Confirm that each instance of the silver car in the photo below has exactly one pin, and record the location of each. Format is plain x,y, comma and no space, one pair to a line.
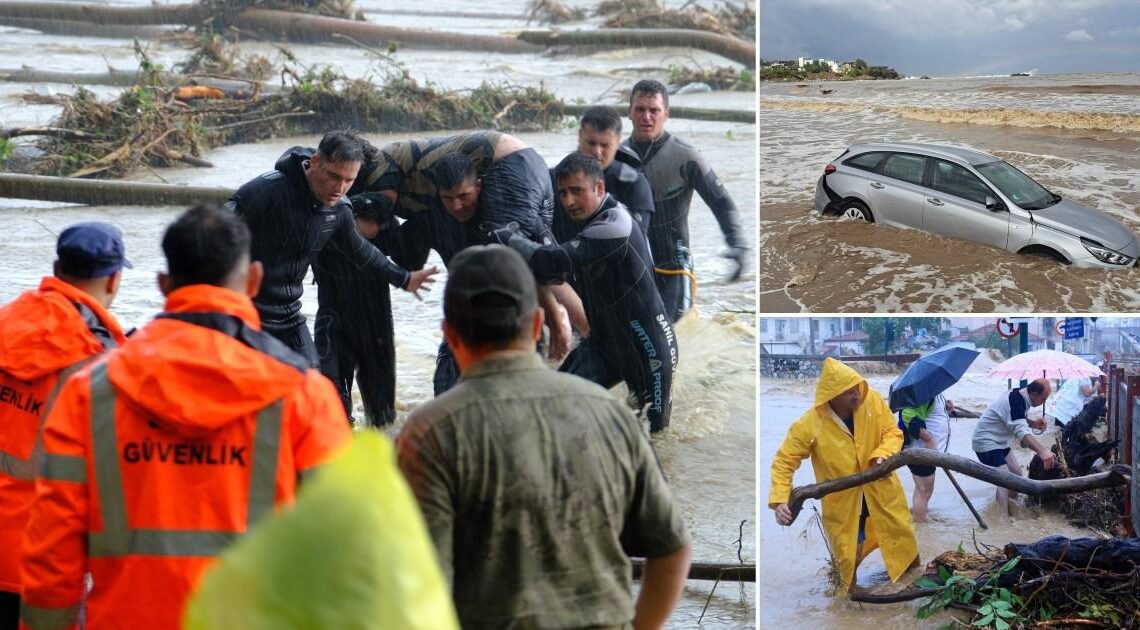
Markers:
971,195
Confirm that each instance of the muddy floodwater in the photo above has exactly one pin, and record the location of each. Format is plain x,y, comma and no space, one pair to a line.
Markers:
1077,134
709,452
798,595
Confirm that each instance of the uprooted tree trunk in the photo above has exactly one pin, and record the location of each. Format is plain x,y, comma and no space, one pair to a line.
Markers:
728,47
709,571
1119,475
96,192
56,18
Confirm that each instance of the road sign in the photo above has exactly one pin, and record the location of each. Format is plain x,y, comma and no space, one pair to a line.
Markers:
1006,328
1074,327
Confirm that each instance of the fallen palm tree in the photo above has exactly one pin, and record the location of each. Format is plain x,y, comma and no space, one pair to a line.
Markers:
157,123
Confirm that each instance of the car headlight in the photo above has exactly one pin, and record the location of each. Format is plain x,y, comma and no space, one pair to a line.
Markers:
1105,254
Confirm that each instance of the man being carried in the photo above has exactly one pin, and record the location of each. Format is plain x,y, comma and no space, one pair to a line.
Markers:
608,263
675,169
293,212
599,136
450,191
49,333
536,486
847,431
1006,419
174,445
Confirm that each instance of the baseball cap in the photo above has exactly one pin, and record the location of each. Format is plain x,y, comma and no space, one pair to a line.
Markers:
91,250
488,281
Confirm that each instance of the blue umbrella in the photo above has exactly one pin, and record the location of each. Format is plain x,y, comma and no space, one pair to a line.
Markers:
930,375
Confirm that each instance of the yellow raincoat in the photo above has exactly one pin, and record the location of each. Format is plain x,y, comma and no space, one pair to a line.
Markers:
834,453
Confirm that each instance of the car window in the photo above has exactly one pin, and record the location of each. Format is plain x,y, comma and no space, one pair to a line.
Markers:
866,161
906,167
953,179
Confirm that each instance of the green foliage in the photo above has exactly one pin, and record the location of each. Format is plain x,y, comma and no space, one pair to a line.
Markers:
6,149
997,607
876,329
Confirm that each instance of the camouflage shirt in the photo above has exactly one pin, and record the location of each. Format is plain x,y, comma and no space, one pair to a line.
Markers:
536,487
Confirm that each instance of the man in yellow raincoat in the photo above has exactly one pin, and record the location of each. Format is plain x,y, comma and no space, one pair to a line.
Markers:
848,430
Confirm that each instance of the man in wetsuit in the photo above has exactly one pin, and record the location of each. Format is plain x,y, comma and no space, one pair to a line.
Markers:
608,262
353,329
451,191
293,212
599,136
675,169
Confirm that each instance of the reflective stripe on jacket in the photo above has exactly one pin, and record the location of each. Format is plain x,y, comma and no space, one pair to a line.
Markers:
145,496
43,339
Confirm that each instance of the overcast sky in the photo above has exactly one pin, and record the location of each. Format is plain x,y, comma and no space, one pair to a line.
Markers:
957,37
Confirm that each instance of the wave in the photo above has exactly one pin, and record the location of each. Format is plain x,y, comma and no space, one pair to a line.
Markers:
1066,89
1001,116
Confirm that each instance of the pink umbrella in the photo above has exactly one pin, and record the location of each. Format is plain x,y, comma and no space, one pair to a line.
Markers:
1044,364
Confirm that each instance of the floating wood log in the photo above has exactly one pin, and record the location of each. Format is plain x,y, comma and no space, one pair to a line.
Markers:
234,88
1118,476
709,571
95,192
102,15
76,28
302,27
92,20
690,113
732,48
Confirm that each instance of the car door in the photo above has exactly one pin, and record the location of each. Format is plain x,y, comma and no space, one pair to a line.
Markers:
896,190
955,206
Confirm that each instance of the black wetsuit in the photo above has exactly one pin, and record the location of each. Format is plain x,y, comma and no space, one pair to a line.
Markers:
675,169
289,227
631,338
625,181
354,333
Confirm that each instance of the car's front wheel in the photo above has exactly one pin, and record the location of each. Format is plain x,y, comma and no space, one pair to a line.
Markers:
855,210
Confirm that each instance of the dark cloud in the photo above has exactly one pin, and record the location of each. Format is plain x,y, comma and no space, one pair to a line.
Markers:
957,37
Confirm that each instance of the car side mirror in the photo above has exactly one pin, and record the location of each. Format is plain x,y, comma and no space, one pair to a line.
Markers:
993,204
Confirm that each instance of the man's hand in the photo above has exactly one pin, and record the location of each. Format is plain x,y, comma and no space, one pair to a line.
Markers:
1048,459
1036,424
876,461
421,280
739,256
502,235
783,514
949,407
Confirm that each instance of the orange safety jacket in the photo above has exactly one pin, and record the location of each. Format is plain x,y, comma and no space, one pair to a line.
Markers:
43,339
159,456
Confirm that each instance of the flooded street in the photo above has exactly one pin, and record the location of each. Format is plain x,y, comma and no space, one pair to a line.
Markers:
709,452
799,596
1079,135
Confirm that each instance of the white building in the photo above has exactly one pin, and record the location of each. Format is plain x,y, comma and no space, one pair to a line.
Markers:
803,335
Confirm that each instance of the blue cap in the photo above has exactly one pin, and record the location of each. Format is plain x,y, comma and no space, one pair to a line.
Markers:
91,250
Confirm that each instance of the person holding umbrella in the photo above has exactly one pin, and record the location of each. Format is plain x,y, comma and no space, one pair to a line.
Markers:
925,426
924,413
1004,419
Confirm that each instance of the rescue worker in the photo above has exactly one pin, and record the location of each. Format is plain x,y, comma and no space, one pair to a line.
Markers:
675,169
293,213
608,263
848,430
48,334
353,331
174,445
599,136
